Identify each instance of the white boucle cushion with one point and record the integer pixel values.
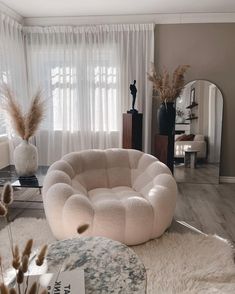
(122, 194)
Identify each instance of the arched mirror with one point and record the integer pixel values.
(198, 129)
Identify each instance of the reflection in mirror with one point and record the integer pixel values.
(198, 129)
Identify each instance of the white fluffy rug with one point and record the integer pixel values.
(175, 263)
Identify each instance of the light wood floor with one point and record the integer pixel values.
(204, 173)
(206, 207)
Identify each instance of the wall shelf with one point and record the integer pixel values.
(191, 118)
(192, 105)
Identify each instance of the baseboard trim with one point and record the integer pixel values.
(230, 180)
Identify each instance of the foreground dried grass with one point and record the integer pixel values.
(20, 260)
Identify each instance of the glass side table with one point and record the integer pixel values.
(8, 174)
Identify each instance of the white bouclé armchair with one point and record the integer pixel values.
(125, 195)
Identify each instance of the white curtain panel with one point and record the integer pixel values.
(85, 73)
(12, 66)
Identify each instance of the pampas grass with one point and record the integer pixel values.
(34, 116)
(7, 194)
(20, 262)
(41, 255)
(81, 229)
(165, 86)
(24, 124)
(14, 110)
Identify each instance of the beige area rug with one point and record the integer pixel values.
(175, 263)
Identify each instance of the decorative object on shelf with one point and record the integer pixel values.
(191, 117)
(192, 96)
(25, 125)
(179, 115)
(168, 89)
(133, 93)
(192, 105)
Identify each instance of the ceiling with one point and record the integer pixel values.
(46, 8)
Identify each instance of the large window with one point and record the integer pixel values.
(105, 77)
(83, 92)
(63, 82)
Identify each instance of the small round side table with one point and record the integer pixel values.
(109, 266)
(190, 158)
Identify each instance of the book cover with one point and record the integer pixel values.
(57, 283)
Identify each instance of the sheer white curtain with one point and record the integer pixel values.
(12, 71)
(12, 62)
(86, 73)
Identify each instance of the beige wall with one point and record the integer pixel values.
(210, 50)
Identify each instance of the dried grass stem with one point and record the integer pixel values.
(25, 125)
(167, 87)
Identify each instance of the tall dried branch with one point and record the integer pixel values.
(13, 110)
(168, 88)
(35, 115)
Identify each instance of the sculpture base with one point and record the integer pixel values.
(133, 111)
(132, 131)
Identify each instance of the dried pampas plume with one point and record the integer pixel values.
(25, 263)
(13, 109)
(7, 194)
(34, 116)
(33, 289)
(3, 210)
(25, 125)
(81, 229)
(168, 88)
(4, 289)
(20, 262)
(16, 258)
(41, 256)
(28, 248)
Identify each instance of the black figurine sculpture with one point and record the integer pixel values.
(133, 93)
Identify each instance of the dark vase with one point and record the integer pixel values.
(166, 122)
(166, 119)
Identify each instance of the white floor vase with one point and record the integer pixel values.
(26, 159)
